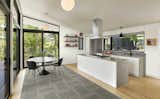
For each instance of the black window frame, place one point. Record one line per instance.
(17, 29)
(4, 6)
(40, 31)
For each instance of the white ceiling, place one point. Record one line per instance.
(115, 13)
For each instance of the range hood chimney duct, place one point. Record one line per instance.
(97, 28)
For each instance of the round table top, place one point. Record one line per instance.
(43, 59)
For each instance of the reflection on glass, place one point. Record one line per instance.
(107, 43)
(4, 71)
(138, 40)
(32, 45)
(130, 41)
(51, 44)
(15, 65)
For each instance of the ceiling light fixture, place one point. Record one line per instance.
(67, 5)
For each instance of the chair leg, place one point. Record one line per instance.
(62, 69)
(38, 70)
(59, 71)
(29, 73)
(55, 69)
(34, 74)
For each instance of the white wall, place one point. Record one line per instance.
(69, 54)
(152, 52)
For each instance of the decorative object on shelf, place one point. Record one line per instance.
(107, 52)
(67, 5)
(71, 45)
(71, 40)
(152, 42)
(71, 36)
(81, 34)
(74, 40)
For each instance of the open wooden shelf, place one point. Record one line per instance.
(71, 36)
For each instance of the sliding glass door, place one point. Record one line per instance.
(51, 44)
(37, 42)
(32, 45)
(16, 40)
(16, 52)
(4, 69)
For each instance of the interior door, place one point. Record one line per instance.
(4, 68)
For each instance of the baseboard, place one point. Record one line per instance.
(152, 76)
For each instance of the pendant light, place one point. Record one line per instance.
(67, 5)
(121, 34)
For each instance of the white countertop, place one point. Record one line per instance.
(109, 58)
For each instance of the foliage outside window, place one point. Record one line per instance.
(135, 41)
(33, 43)
(2, 38)
(107, 43)
(138, 40)
(51, 44)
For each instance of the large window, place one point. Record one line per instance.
(37, 42)
(51, 44)
(138, 40)
(4, 69)
(32, 44)
(107, 43)
(16, 53)
(40, 39)
(16, 40)
(130, 41)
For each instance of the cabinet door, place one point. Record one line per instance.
(133, 67)
(87, 45)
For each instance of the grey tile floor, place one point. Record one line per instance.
(66, 85)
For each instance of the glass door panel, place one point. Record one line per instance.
(35, 43)
(4, 69)
(16, 53)
(32, 45)
(51, 44)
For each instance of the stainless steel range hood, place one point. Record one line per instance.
(96, 38)
(97, 29)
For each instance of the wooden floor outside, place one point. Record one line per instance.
(137, 88)
(18, 85)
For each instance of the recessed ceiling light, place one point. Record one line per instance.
(67, 5)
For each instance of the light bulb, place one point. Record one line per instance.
(67, 5)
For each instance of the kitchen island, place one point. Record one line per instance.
(136, 64)
(109, 70)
